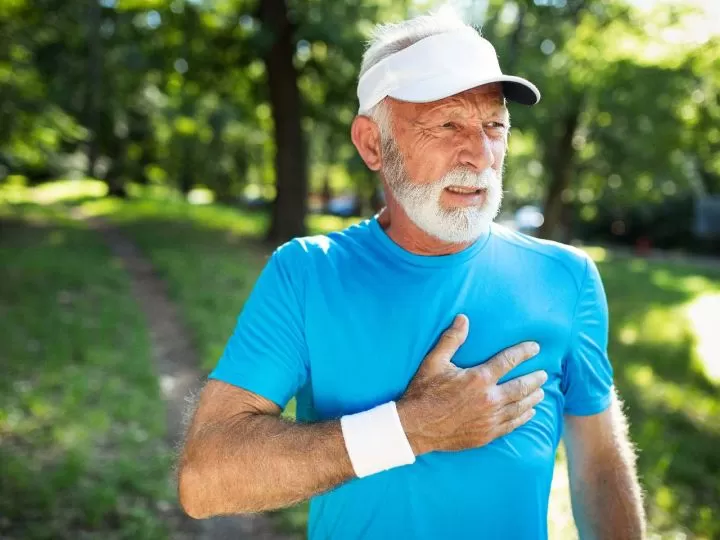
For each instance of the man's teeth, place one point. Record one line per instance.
(462, 190)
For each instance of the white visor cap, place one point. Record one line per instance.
(437, 67)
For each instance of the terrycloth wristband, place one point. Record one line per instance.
(375, 440)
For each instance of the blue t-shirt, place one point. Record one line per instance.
(343, 322)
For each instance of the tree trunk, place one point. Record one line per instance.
(93, 85)
(188, 104)
(215, 177)
(187, 174)
(559, 162)
(326, 194)
(290, 206)
(117, 172)
(116, 189)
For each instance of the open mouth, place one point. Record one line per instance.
(464, 190)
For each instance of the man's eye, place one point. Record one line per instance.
(449, 125)
(496, 125)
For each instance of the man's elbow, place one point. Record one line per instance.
(199, 493)
(190, 493)
(201, 496)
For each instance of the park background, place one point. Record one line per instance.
(154, 152)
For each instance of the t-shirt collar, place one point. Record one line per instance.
(387, 245)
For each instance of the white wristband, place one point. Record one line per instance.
(375, 440)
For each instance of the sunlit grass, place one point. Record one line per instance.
(322, 224)
(51, 192)
(659, 346)
(211, 217)
(156, 203)
(597, 254)
(698, 407)
(704, 315)
(81, 420)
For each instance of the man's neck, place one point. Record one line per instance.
(401, 230)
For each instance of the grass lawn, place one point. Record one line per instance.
(81, 420)
(664, 347)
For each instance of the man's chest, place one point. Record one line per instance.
(367, 337)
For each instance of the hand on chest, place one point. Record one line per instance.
(369, 354)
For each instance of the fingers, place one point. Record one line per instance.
(518, 408)
(521, 387)
(516, 422)
(502, 363)
(447, 346)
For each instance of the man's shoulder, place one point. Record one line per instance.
(312, 249)
(564, 257)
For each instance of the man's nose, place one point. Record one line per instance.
(475, 152)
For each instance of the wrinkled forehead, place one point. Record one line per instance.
(483, 101)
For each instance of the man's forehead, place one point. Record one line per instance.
(492, 92)
(485, 99)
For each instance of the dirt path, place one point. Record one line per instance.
(176, 364)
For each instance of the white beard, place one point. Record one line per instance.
(421, 202)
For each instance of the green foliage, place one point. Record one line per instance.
(184, 97)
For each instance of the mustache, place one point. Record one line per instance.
(462, 177)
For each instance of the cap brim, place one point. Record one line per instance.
(520, 90)
(515, 89)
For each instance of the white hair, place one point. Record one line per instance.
(387, 39)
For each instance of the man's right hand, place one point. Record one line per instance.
(450, 408)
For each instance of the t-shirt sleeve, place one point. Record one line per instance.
(267, 352)
(587, 375)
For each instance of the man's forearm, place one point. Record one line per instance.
(606, 496)
(608, 506)
(260, 462)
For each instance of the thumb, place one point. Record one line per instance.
(440, 357)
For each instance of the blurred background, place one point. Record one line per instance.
(153, 152)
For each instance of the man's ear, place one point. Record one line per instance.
(365, 135)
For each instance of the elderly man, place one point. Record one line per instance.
(436, 357)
